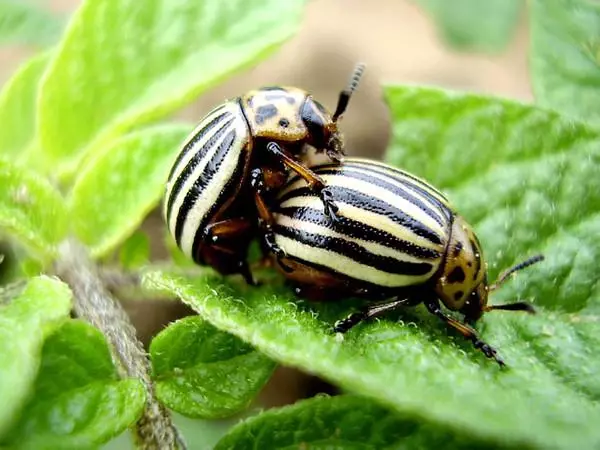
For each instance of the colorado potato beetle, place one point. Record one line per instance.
(395, 236)
(238, 152)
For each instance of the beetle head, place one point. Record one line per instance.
(463, 285)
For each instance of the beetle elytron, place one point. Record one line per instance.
(238, 152)
(395, 236)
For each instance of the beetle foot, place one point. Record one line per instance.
(330, 208)
(343, 325)
(269, 238)
(488, 351)
(335, 155)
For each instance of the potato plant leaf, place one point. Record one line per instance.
(121, 184)
(203, 372)
(31, 209)
(178, 50)
(525, 178)
(565, 55)
(345, 421)
(135, 251)
(474, 25)
(17, 107)
(78, 400)
(25, 321)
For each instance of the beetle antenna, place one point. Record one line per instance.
(345, 95)
(508, 272)
(517, 306)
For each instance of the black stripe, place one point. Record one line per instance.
(374, 166)
(415, 184)
(199, 135)
(355, 252)
(379, 182)
(195, 161)
(201, 182)
(232, 184)
(359, 230)
(371, 204)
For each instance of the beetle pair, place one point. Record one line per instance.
(240, 152)
(357, 228)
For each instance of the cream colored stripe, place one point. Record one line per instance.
(399, 182)
(191, 179)
(211, 193)
(345, 265)
(374, 220)
(387, 196)
(193, 150)
(372, 247)
(396, 172)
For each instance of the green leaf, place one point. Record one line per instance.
(143, 62)
(24, 323)
(419, 370)
(345, 421)
(23, 22)
(120, 185)
(17, 107)
(135, 251)
(31, 209)
(565, 56)
(475, 25)
(203, 372)
(78, 401)
(526, 179)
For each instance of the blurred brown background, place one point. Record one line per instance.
(396, 40)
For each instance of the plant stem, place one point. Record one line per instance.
(93, 302)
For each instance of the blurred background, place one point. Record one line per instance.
(397, 40)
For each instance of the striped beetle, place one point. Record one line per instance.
(239, 151)
(395, 236)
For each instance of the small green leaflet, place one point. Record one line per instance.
(25, 321)
(203, 372)
(78, 400)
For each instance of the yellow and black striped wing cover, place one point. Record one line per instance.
(391, 233)
(207, 174)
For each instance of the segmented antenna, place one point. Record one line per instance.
(345, 95)
(522, 265)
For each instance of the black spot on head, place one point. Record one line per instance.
(458, 295)
(265, 112)
(457, 248)
(469, 263)
(284, 123)
(271, 88)
(456, 276)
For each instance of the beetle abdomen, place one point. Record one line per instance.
(391, 232)
(206, 175)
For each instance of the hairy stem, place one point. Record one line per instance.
(93, 302)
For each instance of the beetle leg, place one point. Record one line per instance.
(468, 332)
(235, 228)
(314, 181)
(266, 218)
(341, 326)
(225, 229)
(242, 264)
